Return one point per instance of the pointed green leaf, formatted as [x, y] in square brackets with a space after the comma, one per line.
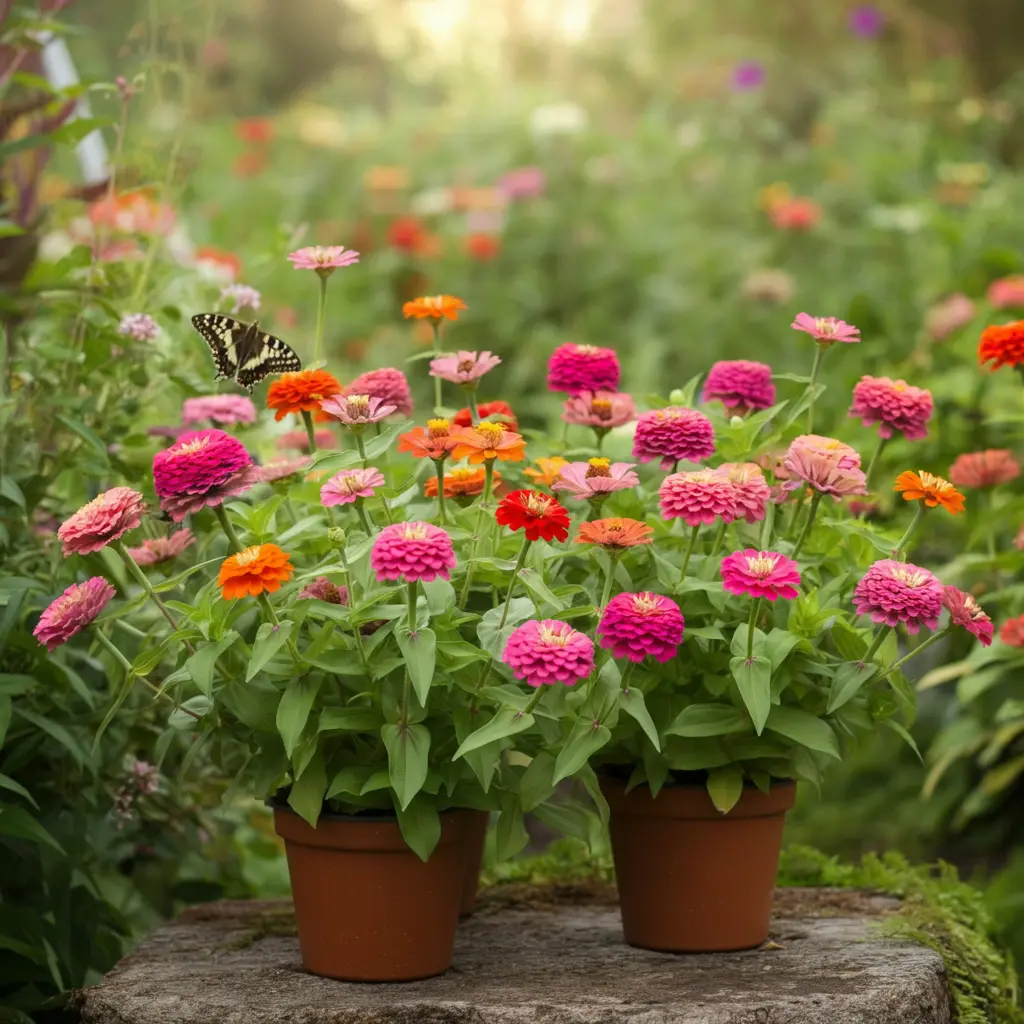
[16, 787]
[631, 700]
[754, 679]
[849, 678]
[269, 640]
[587, 737]
[491, 638]
[510, 836]
[725, 786]
[506, 722]
[293, 711]
[537, 783]
[306, 797]
[707, 720]
[200, 666]
[349, 720]
[17, 822]
[408, 747]
[419, 648]
[803, 728]
[420, 825]
[542, 596]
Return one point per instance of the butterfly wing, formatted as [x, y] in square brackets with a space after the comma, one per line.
[222, 334]
[260, 354]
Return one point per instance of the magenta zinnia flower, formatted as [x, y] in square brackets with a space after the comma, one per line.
[201, 469]
[740, 384]
[138, 326]
[282, 469]
[826, 329]
[761, 574]
[412, 551]
[602, 410]
[893, 592]
[357, 410]
[578, 368]
[72, 612]
[107, 517]
[893, 405]
[322, 589]
[162, 549]
[635, 625]
[387, 384]
[965, 611]
[595, 479]
[549, 652]
[673, 434]
[699, 497]
[228, 409]
[324, 259]
[750, 489]
[350, 485]
[464, 368]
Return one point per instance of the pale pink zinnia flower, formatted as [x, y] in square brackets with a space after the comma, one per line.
[230, 409]
[324, 259]
[761, 574]
[412, 551]
[894, 405]
[965, 611]
[464, 368]
[549, 652]
[740, 384]
[107, 517]
[298, 440]
[892, 592]
[241, 297]
[750, 488]
[350, 485]
[75, 609]
[162, 549]
[636, 625]
[816, 444]
[826, 329]
[673, 434]
[984, 469]
[697, 498]
[602, 410]
[825, 473]
[949, 315]
[595, 479]
[139, 327]
[357, 410]
[282, 469]
[1007, 292]
[577, 368]
[388, 384]
[322, 589]
[522, 183]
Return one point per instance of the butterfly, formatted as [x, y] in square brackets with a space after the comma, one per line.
[243, 351]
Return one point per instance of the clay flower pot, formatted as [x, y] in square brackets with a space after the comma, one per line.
[367, 908]
[691, 879]
[475, 838]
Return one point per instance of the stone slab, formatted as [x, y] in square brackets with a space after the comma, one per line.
[533, 956]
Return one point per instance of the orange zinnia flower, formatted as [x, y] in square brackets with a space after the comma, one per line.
[462, 483]
[302, 391]
[930, 489]
[487, 441]
[436, 442]
[548, 471]
[434, 307]
[254, 571]
[1002, 344]
[614, 534]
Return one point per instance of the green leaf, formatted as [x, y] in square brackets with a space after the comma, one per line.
[408, 747]
[631, 700]
[440, 595]
[269, 640]
[778, 645]
[542, 596]
[349, 780]
[293, 711]
[377, 446]
[586, 738]
[16, 787]
[421, 826]
[306, 797]
[11, 491]
[349, 720]
[491, 638]
[57, 732]
[803, 728]
[200, 666]
[506, 722]
[419, 648]
[5, 717]
[510, 836]
[725, 786]
[754, 679]
[87, 434]
[707, 720]
[19, 824]
[537, 783]
[849, 678]
[199, 705]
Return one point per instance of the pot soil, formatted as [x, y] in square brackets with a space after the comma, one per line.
[366, 907]
[692, 879]
[475, 839]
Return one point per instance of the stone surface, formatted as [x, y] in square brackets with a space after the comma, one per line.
[552, 956]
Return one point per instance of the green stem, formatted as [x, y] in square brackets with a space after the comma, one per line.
[719, 537]
[229, 531]
[411, 598]
[751, 623]
[689, 551]
[488, 480]
[307, 418]
[439, 470]
[902, 547]
[364, 518]
[809, 525]
[882, 441]
[934, 638]
[819, 352]
[321, 308]
[143, 581]
[268, 610]
[357, 634]
[520, 561]
[533, 701]
[473, 411]
[601, 433]
[361, 448]
[436, 325]
[606, 594]
[876, 642]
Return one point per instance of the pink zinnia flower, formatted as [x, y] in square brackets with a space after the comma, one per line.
[949, 315]
[72, 612]
[162, 549]
[282, 469]
[740, 384]
[1012, 632]
[298, 440]
[984, 469]
[357, 410]
[324, 259]
[893, 405]
[387, 384]
[673, 434]
[522, 183]
[602, 410]
[699, 497]
[816, 444]
[228, 409]
[893, 592]
[549, 652]
[635, 625]
[201, 469]
[578, 368]
[464, 368]
[350, 485]
[761, 574]
[965, 611]
[138, 326]
[322, 589]
[826, 329]
[596, 478]
[241, 296]
[750, 489]
[830, 467]
[1007, 292]
[412, 551]
[108, 516]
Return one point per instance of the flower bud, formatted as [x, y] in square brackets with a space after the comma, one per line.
[336, 538]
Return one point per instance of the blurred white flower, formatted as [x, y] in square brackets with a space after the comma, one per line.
[690, 134]
[431, 202]
[565, 118]
[55, 245]
[241, 296]
[907, 219]
[165, 118]
[769, 284]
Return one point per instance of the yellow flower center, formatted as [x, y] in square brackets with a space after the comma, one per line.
[359, 405]
[825, 325]
[598, 467]
[645, 604]
[973, 608]
[490, 432]
[931, 482]
[316, 396]
[556, 636]
[911, 579]
[414, 531]
[614, 526]
[438, 428]
[458, 476]
[602, 408]
[248, 555]
[762, 563]
[197, 444]
[465, 365]
[537, 504]
[586, 350]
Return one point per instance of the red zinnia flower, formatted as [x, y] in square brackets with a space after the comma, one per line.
[406, 233]
[498, 411]
[1002, 344]
[482, 246]
[540, 515]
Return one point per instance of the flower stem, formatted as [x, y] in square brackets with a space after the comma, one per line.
[474, 413]
[520, 562]
[268, 610]
[143, 581]
[356, 632]
[364, 518]
[436, 325]
[934, 638]
[307, 418]
[439, 470]
[809, 525]
[229, 531]
[819, 351]
[533, 701]
[751, 623]
[689, 551]
[411, 597]
[613, 558]
[488, 480]
[876, 642]
[903, 546]
[361, 448]
[874, 460]
[719, 537]
[321, 308]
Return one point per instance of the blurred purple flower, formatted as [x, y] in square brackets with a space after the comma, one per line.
[867, 21]
[748, 76]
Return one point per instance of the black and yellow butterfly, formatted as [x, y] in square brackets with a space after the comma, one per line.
[242, 351]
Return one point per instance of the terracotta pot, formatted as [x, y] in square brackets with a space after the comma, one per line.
[367, 908]
[475, 838]
[690, 878]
